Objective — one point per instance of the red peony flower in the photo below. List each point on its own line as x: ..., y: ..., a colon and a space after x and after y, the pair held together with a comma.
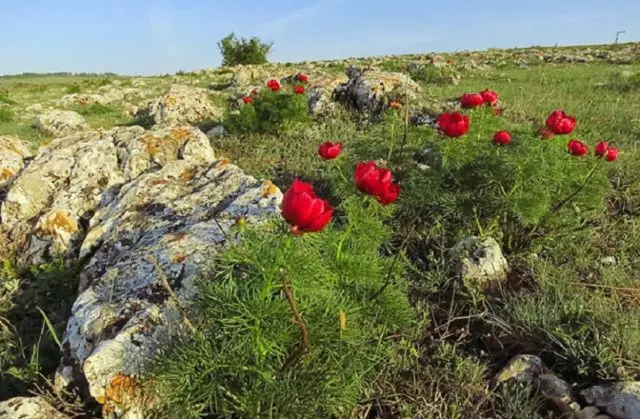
x: 303, y: 78
x: 304, y: 210
x: 453, y: 124
x: 377, y: 182
x: 502, y: 137
x: 274, y: 85
x: 471, y: 100
x: 561, y: 123
x: 329, y: 150
x: 247, y: 100
x: 577, y: 148
x: 489, y: 96
x: 298, y: 90
x: 601, y: 148
x: 612, y: 154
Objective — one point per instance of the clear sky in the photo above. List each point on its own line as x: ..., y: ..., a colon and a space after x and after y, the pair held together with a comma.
x: 164, y: 36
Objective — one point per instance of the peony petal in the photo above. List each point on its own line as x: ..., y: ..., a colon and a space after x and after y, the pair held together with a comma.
x: 321, y: 221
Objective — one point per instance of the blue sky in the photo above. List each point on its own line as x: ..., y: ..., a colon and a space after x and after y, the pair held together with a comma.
x: 164, y: 36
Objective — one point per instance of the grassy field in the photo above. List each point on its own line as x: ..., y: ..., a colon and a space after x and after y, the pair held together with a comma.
x: 565, y: 300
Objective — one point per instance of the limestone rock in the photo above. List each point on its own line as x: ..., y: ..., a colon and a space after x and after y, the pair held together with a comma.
x: 479, y: 261
x: 179, y: 216
x: 57, y: 123
x: 621, y: 400
x: 36, y: 107
x: 181, y: 104
x: 110, y: 95
x: 29, y: 408
x: 54, y: 198
x: 370, y: 91
x: 13, y: 152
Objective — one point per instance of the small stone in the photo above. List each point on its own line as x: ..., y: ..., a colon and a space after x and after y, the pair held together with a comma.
x: 608, y: 261
x: 217, y: 131
x: 620, y: 400
x: 479, y: 261
x: 523, y: 369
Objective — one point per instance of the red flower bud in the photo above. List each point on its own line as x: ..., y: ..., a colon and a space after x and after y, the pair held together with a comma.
x: 304, y: 210
x: 453, y: 124
x: 329, y: 150
x: 303, y: 78
x: 247, y: 100
x: 377, y: 182
x: 471, y: 100
x: 601, y: 148
x: 298, y: 90
x: 274, y: 85
x: 561, y: 123
x: 502, y: 137
x: 489, y: 96
x: 577, y: 148
x: 612, y: 154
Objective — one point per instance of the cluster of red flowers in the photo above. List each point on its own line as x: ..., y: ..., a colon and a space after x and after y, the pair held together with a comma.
x: 473, y: 100
x: 275, y: 86
x: 305, y: 212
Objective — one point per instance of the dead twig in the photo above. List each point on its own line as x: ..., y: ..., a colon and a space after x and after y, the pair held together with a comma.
x: 172, y: 294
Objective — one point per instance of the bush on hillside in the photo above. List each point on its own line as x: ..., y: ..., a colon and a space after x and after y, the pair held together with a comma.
x: 236, y: 51
x: 239, y: 364
x: 270, y: 111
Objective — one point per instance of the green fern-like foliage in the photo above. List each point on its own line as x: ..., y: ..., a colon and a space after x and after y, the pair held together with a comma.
x: 239, y: 364
x: 473, y: 184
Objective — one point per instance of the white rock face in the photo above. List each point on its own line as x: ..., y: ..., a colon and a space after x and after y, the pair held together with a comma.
x: 620, y: 400
x: 72, y: 176
x: 13, y: 152
x: 56, y: 122
x: 29, y: 408
x: 178, y: 216
x: 181, y: 105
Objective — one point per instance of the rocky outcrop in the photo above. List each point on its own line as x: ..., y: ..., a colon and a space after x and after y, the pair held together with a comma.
x: 56, y: 122
x: 55, y: 197
x: 180, y: 105
x: 29, y: 408
x: 370, y: 91
x: 13, y: 153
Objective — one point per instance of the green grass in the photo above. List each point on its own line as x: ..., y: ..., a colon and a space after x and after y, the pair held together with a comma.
x: 560, y: 302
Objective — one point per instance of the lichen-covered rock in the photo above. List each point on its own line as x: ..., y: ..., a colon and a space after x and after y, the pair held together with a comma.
x: 620, y: 400
x: 479, y: 261
x: 13, y: 152
x: 178, y: 217
x: 109, y: 96
x: 522, y: 369
x: 53, y: 199
x: 56, y: 122
x: 370, y: 91
x: 29, y: 408
x: 181, y: 105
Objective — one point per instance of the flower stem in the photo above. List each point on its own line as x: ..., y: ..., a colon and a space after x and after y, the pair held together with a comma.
x: 304, y: 333
x: 579, y: 189
x: 342, y: 176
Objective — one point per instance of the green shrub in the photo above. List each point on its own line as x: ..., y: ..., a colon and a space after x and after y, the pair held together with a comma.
x: 430, y: 74
x: 240, y: 363
x: 4, y: 98
x: 243, y: 51
x: 476, y: 187
x: 74, y: 88
x: 270, y: 112
x: 6, y: 115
